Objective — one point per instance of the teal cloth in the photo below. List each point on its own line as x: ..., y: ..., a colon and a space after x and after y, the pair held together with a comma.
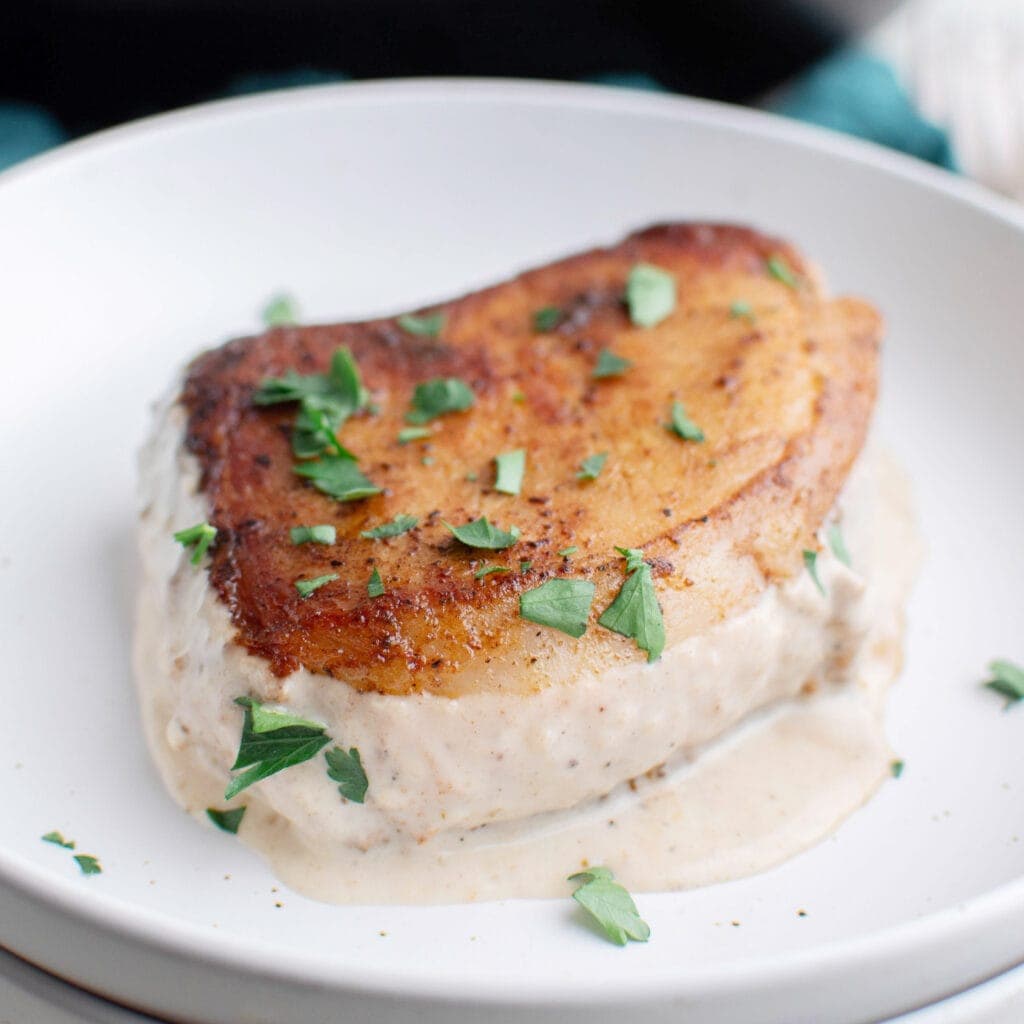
x: 856, y: 93
x: 851, y: 91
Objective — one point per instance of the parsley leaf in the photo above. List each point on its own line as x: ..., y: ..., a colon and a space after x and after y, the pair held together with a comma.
x: 308, y: 587
x: 650, y: 295
x: 511, y: 467
x: 742, y: 309
x: 341, y: 385
x: 226, y: 821
x: 546, y: 319
x: 635, y: 612
x: 566, y: 552
x: 610, y: 905
x: 811, y: 562
x: 316, y: 427
x: 1007, y: 680
x: 323, y: 534
x: 198, y: 537
x: 346, y: 769
x: 487, y: 570
x: 591, y: 466
x: 280, y: 311
x: 272, y: 741
x: 407, y: 434
x: 482, y: 534
x: 837, y: 544
x: 88, y: 864
x: 429, y: 325
x: 896, y: 767
x: 338, y: 476
x: 58, y: 840
x: 399, y: 525
x: 610, y: 365
x: 375, y: 588
x: 782, y: 271
x: 560, y: 603
x: 435, y: 397
x: 682, y: 424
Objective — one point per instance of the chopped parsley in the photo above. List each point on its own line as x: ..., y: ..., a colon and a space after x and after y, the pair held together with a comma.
x: 547, y: 319
x: 837, y: 544
x: 58, y: 840
x: 407, y: 434
x: 482, y: 534
x: 682, y: 425
x: 436, y: 397
x: 811, y: 563
x: 308, y: 587
x: 341, y: 385
x: 226, y: 821
x: 345, y: 767
x: 322, y: 534
x: 609, y: 365
x: 741, y: 309
x: 591, y: 466
x: 88, y: 864
x: 610, y: 905
x: 399, y: 525
x: 896, y: 767
x: 635, y: 612
x: 316, y: 428
x: 525, y: 566
x: 487, y: 570
x: 199, y: 538
x: 566, y: 552
x: 272, y: 741
x: 338, y: 476
x: 650, y: 295
x: 281, y: 311
x: 560, y: 603
x: 375, y: 588
x: 429, y: 325
x: 518, y: 397
x: 782, y: 271
x: 1007, y: 680
x: 511, y: 466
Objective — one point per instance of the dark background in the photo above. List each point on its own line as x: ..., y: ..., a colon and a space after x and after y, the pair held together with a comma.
x: 93, y: 64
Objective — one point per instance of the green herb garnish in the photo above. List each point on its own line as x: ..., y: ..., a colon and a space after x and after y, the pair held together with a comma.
x: 272, y: 741
x: 561, y: 604
x: 1007, y: 680
x: 308, y: 587
x: 341, y: 384
x: 635, y: 612
x: 610, y: 905
x: 511, y: 467
x: 566, y: 552
x: 339, y: 476
x: 316, y: 428
x: 226, y: 821
x: 487, y: 570
x: 199, y: 538
x: 811, y: 562
x: 896, y: 767
x: 837, y: 544
x: 682, y: 424
x: 436, y: 397
x: 525, y: 565
x: 88, y: 864
x: 742, y: 309
x: 609, y: 365
x: 547, y: 319
x: 399, y: 525
x: 375, y: 588
x: 407, y: 434
x: 322, y: 534
x: 650, y: 295
x: 346, y: 769
x: 281, y: 311
x: 591, y: 466
x: 429, y: 325
x: 781, y: 271
x: 58, y: 840
x: 482, y: 534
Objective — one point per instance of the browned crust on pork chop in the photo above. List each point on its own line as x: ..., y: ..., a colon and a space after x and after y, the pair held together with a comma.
x: 784, y: 399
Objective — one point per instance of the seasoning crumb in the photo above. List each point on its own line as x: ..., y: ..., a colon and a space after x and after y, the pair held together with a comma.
x: 735, y: 924
x: 383, y: 935
x: 278, y: 905
x: 801, y: 913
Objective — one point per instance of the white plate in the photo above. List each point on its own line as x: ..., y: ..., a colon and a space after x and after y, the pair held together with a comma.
x: 122, y: 255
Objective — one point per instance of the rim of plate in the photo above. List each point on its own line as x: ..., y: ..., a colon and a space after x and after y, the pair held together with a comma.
x: 158, y: 931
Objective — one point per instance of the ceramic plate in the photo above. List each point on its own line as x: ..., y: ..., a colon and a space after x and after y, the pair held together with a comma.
x: 122, y: 255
